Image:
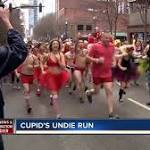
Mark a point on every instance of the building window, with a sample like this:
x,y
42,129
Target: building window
x,y
88,27
80,27
121,8
131,7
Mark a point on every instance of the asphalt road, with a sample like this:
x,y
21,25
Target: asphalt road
x,y
133,107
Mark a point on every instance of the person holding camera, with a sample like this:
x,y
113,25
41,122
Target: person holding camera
x,y
11,55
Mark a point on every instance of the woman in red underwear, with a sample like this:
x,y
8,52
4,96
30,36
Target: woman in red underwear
x,y
55,76
80,63
38,53
26,71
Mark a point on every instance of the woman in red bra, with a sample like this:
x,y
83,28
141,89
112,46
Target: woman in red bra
x,y
55,76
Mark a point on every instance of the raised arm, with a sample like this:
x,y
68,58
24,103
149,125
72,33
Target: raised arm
x,y
12,55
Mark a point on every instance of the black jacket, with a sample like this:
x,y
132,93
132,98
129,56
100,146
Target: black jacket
x,y
11,56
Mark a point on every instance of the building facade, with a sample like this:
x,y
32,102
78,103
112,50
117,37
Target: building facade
x,y
137,27
76,17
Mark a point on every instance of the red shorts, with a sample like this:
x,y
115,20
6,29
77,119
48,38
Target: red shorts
x,y
26,79
80,69
37,73
99,80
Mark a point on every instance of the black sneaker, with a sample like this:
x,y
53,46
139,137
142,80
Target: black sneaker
x,y
148,103
29,110
70,92
89,97
86,88
81,100
136,84
74,87
102,86
51,100
112,116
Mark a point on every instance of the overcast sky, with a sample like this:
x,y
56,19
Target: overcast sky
x,y
49,4
49,7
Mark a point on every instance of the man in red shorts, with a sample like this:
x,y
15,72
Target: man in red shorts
x,y
101,55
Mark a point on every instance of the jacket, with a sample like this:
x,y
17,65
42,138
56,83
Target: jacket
x,y
11,56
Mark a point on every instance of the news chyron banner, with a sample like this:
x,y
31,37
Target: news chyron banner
x,y
7,126
44,126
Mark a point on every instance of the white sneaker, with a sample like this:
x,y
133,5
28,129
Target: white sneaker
x,y
118,83
147,86
58,116
18,87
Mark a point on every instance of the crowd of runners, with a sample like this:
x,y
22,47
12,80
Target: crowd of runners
x,y
83,66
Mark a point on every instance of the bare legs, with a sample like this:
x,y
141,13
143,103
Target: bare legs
x,y
27,97
79,84
55,103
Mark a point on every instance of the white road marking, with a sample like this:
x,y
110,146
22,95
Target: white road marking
x,y
139,104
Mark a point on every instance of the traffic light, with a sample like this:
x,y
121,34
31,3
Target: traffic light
x,y
1,4
40,7
10,6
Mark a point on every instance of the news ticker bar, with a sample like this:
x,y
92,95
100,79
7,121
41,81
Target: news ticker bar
x,y
44,126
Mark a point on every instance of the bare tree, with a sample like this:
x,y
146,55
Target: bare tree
x,y
46,28
112,13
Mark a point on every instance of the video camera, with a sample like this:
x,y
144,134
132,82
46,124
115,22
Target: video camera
x,y
2,4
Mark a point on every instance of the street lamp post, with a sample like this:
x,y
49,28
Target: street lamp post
x,y
95,22
1,4
40,6
66,29
95,17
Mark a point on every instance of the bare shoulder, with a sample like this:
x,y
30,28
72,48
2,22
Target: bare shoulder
x,y
85,51
61,54
34,57
67,54
45,55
